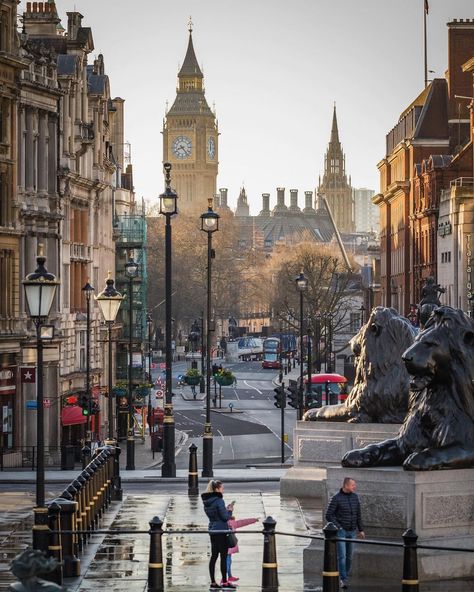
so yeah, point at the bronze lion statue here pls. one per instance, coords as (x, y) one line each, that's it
(438, 431)
(381, 386)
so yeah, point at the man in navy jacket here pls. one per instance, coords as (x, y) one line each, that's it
(344, 511)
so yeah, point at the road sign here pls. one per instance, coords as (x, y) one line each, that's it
(31, 405)
(162, 366)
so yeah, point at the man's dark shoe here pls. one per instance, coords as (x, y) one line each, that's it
(215, 586)
(227, 585)
(344, 584)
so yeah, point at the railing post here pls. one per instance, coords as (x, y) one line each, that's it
(155, 563)
(54, 547)
(330, 567)
(85, 456)
(71, 564)
(269, 564)
(410, 564)
(116, 493)
(193, 483)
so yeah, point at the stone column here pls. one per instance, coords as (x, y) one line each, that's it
(29, 152)
(52, 152)
(42, 164)
(21, 147)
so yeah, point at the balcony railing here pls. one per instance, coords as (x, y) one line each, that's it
(463, 182)
(80, 251)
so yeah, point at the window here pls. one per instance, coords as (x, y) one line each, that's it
(65, 284)
(81, 349)
(355, 322)
(6, 281)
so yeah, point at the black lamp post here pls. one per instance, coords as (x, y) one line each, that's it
(302, 285)
(131, 270)
(209, 224)
(88, 289)
(362, 311)
(109, 301)
(168, 208)
(202, 388)
(149, 322)
(40, 289)
(329, 367)
(318, 342)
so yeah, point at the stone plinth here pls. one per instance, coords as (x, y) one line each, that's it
(324, 443)
(319, 444)
(437, 505)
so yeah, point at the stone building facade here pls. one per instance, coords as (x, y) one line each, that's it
(424, 151)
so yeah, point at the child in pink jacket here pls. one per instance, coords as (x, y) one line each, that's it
(233, 525)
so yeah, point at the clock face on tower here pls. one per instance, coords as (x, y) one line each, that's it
(211, 148)
(182, 147)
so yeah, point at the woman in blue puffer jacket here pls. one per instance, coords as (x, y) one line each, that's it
(218, 515)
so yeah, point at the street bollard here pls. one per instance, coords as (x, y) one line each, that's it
(155, 563)
(269, 564)
(79, 498)
(193, 484)
(330, 569)
(41, 530)
(410, 564)
(54, 547)
(71, 564)
(88, 524)
(85, 456)
(117, 493)
(82, 524)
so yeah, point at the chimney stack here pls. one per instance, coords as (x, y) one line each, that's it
(74, 23)
(217, 200)
(265, 205)
(308, 203)
(294, 209)
(280, 207)
(223, 199)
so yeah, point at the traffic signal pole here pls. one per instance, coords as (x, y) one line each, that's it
(282, 429)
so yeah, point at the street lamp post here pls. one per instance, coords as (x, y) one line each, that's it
(168, 208)
(362, 311)
(88, 289)
(330, 329)
(40, 289)
(131, 270)
(202, 388)
(318, 342)
(109, 301)
(149, 322)
(302, 285)
(209, 224)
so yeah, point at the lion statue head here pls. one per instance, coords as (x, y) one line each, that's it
(438, 431)
(381, 385)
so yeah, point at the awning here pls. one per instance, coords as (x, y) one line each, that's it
(72, 415)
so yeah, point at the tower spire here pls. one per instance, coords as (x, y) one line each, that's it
(190, 65)
(334, 130)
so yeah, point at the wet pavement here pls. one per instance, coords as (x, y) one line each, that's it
(121, 561)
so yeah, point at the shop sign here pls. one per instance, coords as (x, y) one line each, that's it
(8, 380)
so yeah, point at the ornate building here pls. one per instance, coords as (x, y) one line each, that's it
(335, 185)
(190, 137)
(12, 326)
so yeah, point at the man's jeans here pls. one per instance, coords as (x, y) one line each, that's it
(344, 552)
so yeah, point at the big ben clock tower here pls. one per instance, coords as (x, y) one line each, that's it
(190, 137)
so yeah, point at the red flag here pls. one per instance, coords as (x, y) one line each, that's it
(427, 8)
(28, 375)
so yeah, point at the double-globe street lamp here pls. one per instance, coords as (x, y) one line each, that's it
(302, 285)
(109, 301)
(131, 271)
(168, 208)
(209, 224)
(40, 289)
(149, 322)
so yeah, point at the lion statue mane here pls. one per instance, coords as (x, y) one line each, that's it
(381, 386)
(438, 431)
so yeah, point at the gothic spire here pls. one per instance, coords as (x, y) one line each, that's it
(334, 130)
(190, 65)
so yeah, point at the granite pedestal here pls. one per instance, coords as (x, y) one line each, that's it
(437, 505)
(319, 444)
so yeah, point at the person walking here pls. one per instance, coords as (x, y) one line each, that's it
(218, 515)
(344, 512)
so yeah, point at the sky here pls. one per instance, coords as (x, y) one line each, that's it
(273, 69)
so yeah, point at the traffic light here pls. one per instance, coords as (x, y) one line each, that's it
(280, 397)
(84, 402)
(293, 395)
